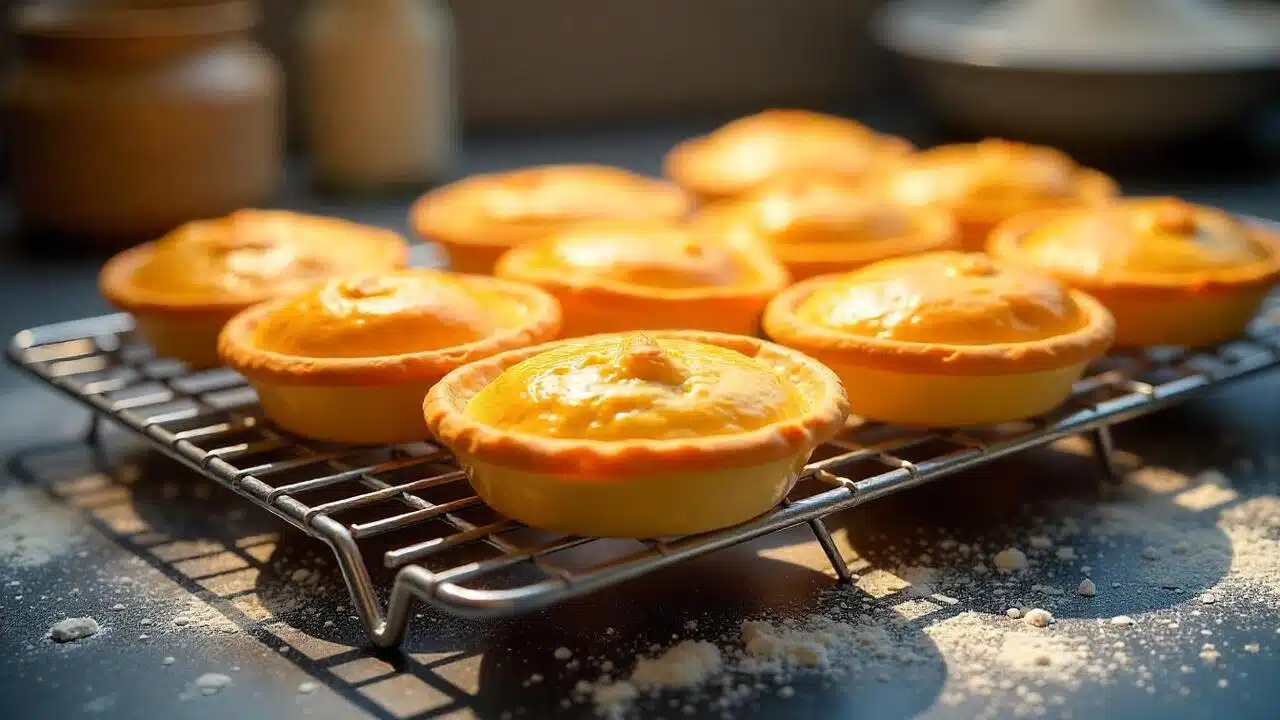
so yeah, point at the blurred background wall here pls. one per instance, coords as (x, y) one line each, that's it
(583, 60)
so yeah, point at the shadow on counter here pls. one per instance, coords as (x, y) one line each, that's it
(267, 580)
(1152, 542)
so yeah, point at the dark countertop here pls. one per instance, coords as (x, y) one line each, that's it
(130, 527)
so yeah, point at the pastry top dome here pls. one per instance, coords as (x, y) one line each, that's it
(519, 205)
(376, 327)
(1145, 235)
(819, 210)
(385, 314)
(949, 298)
(248, 256)
(748, 151)
(645, 257)
(997, 175)
(633, 387)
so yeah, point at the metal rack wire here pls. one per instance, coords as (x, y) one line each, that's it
(438, 542)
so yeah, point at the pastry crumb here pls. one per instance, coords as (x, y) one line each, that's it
(1010, 560)
(72, 629)
(1038, 617)
(212, 683)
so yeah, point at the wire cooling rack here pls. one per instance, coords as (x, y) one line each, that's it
(404, 523)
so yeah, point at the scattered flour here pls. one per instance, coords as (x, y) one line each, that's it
(1015, 668)
(1010, 560)
(1210, 654)
(35, 529)
(765, 649)
(197, 614)
(762, 639)
(684, 665)
(612, 699)
(212, 683)
(987, 660)
(1021, 650)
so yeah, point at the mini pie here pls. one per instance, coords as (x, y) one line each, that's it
(182, 288)
(1171, 272)
(351, 359)
(987, 182)
(477, 219)
(613, 276)
(821, 223)
(944, 339)
(739, 156)
(637, 434)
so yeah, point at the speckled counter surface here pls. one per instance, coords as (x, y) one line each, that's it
(82, 533)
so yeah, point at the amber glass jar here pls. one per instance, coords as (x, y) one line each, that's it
(127, 121)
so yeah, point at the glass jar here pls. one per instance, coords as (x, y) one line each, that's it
(379, 92)
(125, 122)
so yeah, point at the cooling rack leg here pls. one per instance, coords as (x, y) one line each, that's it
(829, 547)
(356, 575)
(93, 433)
(1104, 453)
(410, 582)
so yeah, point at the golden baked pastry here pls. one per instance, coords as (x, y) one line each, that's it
(987, 182)
(821, 223)
(351, 359)
(613, 276)
(637, 434)
(477, 219)
(182, 288)
(944, 339)
(739, 156)
(1171, 273)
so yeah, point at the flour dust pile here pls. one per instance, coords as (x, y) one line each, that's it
(1010, 627)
